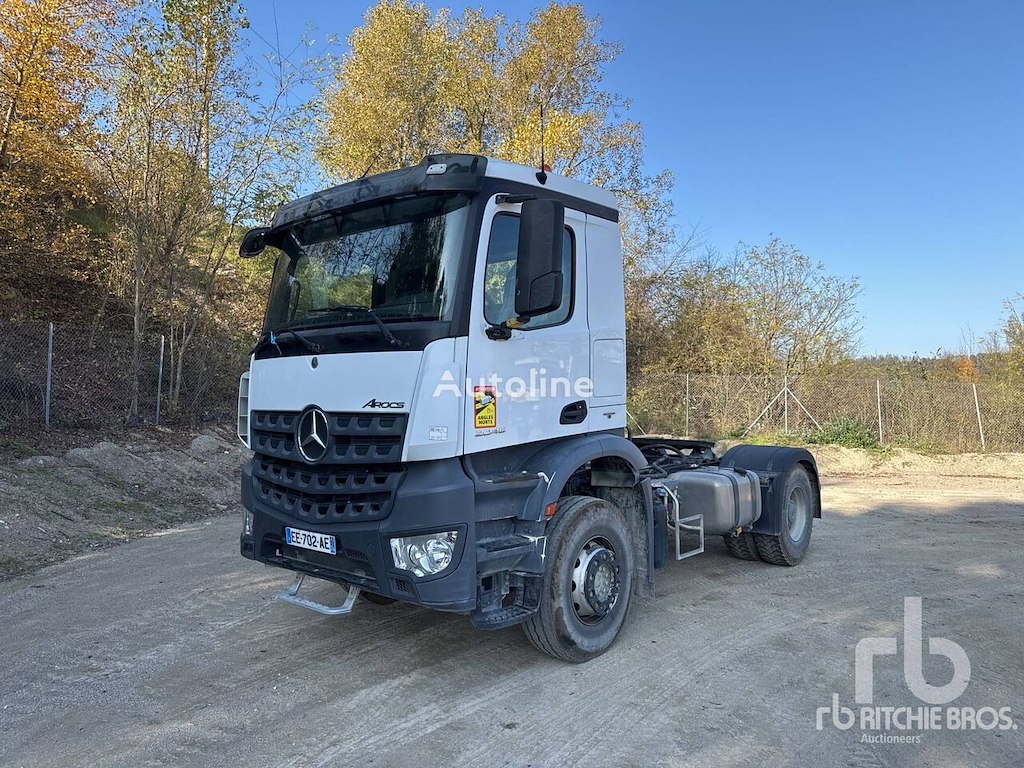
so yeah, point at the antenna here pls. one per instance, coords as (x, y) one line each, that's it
(542, 175)
(542, 136)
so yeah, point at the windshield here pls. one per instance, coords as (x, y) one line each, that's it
(399, 258)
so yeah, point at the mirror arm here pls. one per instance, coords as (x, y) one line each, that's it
(499, 332)
(503, 330)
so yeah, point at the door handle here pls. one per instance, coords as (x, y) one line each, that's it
(574, 413)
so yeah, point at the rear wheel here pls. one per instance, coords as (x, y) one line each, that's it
(588, 583)
(790, 546)
(741, 546)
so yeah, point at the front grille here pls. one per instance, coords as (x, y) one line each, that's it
(326, 493)
(356, 438)
(356, 480)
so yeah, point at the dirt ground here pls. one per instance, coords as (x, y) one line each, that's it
(170, 649)
(93, 496)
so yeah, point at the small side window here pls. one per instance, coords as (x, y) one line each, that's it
(500, 275)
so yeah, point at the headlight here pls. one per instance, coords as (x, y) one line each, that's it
(424, 555)
(247, 524)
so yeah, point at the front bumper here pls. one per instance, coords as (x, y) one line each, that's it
(433, 496)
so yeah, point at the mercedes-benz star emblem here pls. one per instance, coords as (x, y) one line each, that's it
(312, 435)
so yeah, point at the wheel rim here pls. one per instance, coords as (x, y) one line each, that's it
(797, 511)
(595, 581)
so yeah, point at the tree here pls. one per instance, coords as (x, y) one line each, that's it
(1005, 347)
(707, 320)
(48, 53)
(47, 49)
(388, 105)
(190, 156)
(415, 83)
(797, 314)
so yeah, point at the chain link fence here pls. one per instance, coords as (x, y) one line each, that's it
(81, 377)
(932, 415)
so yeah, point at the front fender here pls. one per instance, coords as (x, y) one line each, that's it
(614, 476)
(559, 460)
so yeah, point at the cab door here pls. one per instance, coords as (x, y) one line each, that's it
(536, 384)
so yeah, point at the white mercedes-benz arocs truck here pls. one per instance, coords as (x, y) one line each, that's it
(437, 411)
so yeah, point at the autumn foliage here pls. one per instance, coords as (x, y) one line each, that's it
(139, 139)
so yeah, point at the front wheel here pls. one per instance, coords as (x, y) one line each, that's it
(588, 583)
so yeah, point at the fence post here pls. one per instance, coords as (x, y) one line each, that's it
(687, 429)
(49, 374)
(785, 403)
(878, 392)
(977, 409)
(160, 379)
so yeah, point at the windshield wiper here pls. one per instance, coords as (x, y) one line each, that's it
(273, 336)
(393, 340)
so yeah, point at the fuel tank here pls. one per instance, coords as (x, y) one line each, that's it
(727, 498)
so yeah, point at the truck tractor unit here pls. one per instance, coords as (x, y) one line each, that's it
(436, 408)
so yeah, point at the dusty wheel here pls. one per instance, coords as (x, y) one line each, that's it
(790, 546)
(588, 584)
(741, 546)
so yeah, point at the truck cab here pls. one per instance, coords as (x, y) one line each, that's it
(437, 410)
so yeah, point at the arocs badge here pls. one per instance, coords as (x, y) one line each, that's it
(485, 407)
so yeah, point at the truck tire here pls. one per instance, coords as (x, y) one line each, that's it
(587, 587)
(742, 546)
(790, 546)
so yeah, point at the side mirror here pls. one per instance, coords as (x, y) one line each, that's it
(539, 265)
(253, 243)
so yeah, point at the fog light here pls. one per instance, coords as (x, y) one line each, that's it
(424, 555)
(247, 524)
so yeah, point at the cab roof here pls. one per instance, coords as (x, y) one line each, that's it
(440, 173)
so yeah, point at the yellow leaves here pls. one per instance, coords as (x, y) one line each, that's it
(48, 46)
(414, 82)
(565, 136)
(387, 108)
(48, 49)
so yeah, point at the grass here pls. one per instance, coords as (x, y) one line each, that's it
(847, 432)
(114, 507)
(18, 448)
(12, 564)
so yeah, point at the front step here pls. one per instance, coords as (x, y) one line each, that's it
(501, 618)
(291, 595)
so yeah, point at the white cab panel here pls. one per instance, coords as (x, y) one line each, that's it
(435, 425)
(405, 382)
(607, 324)
(502, 169)
(530, 365)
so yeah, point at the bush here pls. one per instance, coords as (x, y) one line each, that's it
(845, 431)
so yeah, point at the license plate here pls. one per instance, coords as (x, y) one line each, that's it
(321, 542)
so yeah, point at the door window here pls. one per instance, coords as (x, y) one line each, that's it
(500, 275)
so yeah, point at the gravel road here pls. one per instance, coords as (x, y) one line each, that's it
(170, 650)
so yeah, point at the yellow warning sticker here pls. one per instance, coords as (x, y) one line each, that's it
(485, 407)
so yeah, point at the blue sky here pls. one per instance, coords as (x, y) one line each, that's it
(885, 139)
